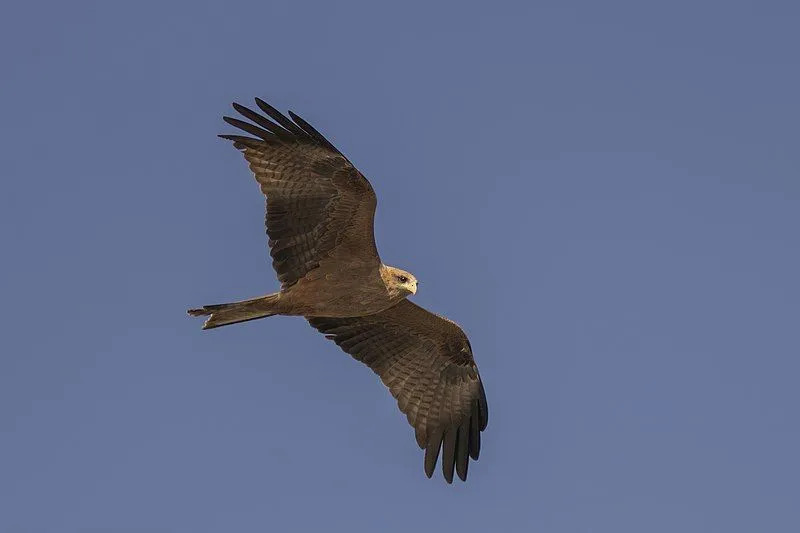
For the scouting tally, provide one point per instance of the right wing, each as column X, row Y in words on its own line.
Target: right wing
column 426, row 361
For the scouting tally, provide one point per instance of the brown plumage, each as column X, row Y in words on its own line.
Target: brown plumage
column 320, row 213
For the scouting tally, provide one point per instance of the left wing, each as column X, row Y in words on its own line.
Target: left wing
column 426, row 361
column 320, row 208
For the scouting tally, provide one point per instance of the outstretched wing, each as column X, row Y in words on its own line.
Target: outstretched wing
column 320, row 208
column 426, row 361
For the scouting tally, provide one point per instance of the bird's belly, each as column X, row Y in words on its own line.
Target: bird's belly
column 340, row 298
column 349, row 306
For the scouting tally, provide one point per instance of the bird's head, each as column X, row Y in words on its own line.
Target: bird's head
column 399, row 282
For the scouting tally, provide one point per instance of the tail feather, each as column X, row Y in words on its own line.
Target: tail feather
column 235, row 312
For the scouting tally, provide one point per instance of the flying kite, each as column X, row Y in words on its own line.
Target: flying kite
column 320, row 215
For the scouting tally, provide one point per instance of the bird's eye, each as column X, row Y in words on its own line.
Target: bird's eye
column 403, row 279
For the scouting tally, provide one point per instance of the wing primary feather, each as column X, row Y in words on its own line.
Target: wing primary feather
column 249, row 128
column 314, row 134
column 247, row 141
column 419, row 434
column 475, row 432
column 449, row 453
column 484, row 407
column 462, row 455
column 261, row 121
column 432, row 453
column 278, row 117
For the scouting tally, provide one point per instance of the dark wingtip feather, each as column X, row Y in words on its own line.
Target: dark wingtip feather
column 484, row 407
column 313, row 133
column 432, row 454
column 240, row 141
column 475, row 432
column 249, row 128
column 278, row 117
column 261, row 120
column 449, row 453
column 462, row 445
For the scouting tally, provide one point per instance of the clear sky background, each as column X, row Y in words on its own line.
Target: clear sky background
column 605, row 195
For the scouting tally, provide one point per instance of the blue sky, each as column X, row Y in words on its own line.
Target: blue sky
column 606, row 196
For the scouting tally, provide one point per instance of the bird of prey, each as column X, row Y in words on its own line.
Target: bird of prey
column 320, row 213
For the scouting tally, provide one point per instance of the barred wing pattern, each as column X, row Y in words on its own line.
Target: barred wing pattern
column 320, row 208
column 426, row 361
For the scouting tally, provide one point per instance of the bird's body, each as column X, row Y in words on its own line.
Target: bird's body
column 320, row 214
column 358, row 291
